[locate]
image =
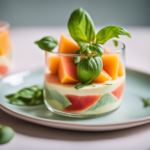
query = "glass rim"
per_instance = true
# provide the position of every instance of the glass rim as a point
(83, 55)
(5, 25)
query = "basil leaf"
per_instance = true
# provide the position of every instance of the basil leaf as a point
(47, 43)
(84, 47)
(28, 96)
(87, 52)
(109, 32)
(17, 102)
(97, 49)
(146, 101)
(115, 43)
(89, 68)
(81, 27)
(6, 134)
(79, 86)
(77, 59)
(26, 93)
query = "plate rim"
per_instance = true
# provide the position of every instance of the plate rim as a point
(6, 109)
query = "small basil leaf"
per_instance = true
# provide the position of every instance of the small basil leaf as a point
(47, 43)
(115, 43)
(97, 49)
(109, 32)
(89, 68)
(35, 88)
(26, 93)
(146, 101)
(17, 102)
(6, 134)
(84, 47)
(77, 59)
(87, 52)
(79, 86)
(81, 27)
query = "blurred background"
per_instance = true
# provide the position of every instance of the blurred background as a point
(57, 12)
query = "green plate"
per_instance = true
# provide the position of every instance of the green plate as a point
(131, 112)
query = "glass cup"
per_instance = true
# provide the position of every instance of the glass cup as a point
(103, 96)
(5, 48)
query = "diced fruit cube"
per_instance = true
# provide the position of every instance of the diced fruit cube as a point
(102, 77)
(121, 70)
(67, 45)
(111, 64)
(3, 69)
(67, 70)
(54, 64)
(5, 42)
(53, 79)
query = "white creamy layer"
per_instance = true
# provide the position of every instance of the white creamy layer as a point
(100, 110)
(99, 89)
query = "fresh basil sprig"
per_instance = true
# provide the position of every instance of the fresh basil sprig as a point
(30, 96)
(77, 59)
(89, 68)
(81, 27)
(109, 32)
(47, 43)
(6, 134)
(97, 49)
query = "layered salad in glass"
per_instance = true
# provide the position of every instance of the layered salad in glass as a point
(84, 72)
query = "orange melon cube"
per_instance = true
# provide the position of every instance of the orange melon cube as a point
(121, 70)
(53, 63)
(102, 77)
(1, 52)
(67, 45)
(53, 79)
(67, 71)
(111, 64)
(5, 42)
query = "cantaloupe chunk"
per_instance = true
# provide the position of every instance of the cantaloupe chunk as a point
(121, 70)
(111, 64)
(53, 79)
(102, 77)
(5, 42)
(1, 52)
(53, 63)
(67, 70)
(67, 45)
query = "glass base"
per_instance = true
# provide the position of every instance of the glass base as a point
(77, 115)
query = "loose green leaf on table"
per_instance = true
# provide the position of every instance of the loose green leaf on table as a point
(109, 32)
(81, 27)
(6, 134)
(27, 96)
(47, 43)
(146, 101)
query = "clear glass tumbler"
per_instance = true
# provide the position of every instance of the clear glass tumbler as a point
(5, 48)
(99, 98)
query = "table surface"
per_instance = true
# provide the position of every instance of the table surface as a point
(26, 55)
